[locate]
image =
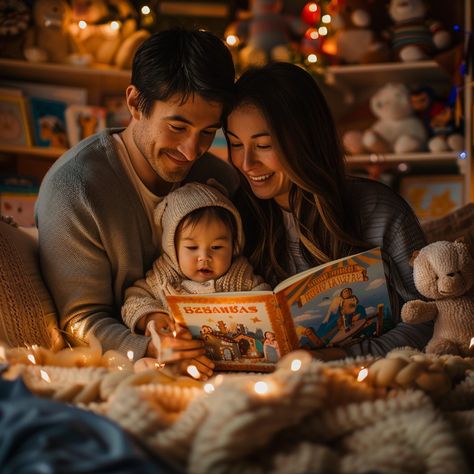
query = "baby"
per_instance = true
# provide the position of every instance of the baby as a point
(202, 238)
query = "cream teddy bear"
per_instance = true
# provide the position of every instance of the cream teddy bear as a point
(397, 128)
(444, 272)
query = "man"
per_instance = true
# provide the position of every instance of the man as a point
(95, 206)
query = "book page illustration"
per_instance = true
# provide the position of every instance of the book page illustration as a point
(240, 331)
(341, 303)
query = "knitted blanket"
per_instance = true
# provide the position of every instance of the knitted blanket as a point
(412, 413)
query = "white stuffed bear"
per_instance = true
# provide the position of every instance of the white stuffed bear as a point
(444, 272)
(414, 37)
(397, 128)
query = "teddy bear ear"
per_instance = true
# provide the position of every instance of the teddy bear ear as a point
(413, 256)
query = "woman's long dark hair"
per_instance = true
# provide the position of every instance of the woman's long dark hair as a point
(308, 146)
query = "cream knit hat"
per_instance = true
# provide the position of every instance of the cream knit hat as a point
(184, 200)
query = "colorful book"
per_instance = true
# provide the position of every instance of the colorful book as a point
(339, 303)
(49, 122)
(83, 121)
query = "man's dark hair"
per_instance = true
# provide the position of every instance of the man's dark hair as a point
(184, 62)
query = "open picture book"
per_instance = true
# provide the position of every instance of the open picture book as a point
(335, 304)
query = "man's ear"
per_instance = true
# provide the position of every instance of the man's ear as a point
(413, 256)
(132, 102)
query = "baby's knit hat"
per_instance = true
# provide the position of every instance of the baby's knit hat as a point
(184, 200)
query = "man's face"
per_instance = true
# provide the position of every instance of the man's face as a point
(175, 135)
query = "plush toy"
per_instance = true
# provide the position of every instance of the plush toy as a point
(354, 41)
(444, 273)
(415, 37)
(438, 118)
(49, 40)
(14, 20)
(397, 128)
(107, 31)
(267, 34)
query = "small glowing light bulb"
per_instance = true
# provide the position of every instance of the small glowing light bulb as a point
(209, 388)
(323, 31)
(312, 58)
(296, 365)
(313, 7)
(326, 19)
(114, 25)
(45, 376)
(261, 387)
(231, 40)
(174, 333)
(130, 355)
(146, 10)
(31, 358)
(363, 372)
(193, 371)
(82, 24)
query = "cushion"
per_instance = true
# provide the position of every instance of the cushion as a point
(27, 312)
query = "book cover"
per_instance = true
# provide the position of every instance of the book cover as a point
(335, 304)
(48, 122)
(83, 121)
(14, 126)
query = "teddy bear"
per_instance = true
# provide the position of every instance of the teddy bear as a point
(267, 34)
(15, 18)
(107, 31)
(443, 272)
(49, 40)
(415, 37)
(354, 41)
(397, 128)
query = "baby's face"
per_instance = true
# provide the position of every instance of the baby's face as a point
(205, 250)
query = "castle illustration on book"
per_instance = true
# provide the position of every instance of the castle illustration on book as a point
(336, 304)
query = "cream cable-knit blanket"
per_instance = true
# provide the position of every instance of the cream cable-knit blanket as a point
(318, 419)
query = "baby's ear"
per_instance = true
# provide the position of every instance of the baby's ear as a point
(219, 186)
(413, 256)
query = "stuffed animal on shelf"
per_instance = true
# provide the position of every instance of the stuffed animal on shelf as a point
(267, 34)
(15, 17)
(438, 118)
(107, 31)
(444, 273)
(397, 128)
(49, 40)
(415, 37)
(354, 41)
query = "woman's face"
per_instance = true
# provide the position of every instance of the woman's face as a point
(254, 153)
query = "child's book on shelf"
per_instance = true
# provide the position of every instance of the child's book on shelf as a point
(335, 304)
(48, 122)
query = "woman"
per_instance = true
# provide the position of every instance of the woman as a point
(299, 206)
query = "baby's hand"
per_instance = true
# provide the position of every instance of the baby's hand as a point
(163, 323)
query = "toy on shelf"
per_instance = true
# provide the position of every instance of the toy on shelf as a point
(396, 130)
(444, 273)
(266, 35)
(414, 36)
(49, 40)
(107, 32)
(354, 41)
(438, 118)
(15, 17)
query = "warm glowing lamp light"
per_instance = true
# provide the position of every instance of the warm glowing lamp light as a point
(193, 371)
(261, 387)
(146, 10)
(363, 372)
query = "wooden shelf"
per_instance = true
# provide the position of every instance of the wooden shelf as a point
(33, 151)
(98, 79)
(358, 77)
(373, 158)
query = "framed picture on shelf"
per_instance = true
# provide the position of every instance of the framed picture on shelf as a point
(48, 120)
(14, 126)
(117, 113)
(433, 196)
(83, 121)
